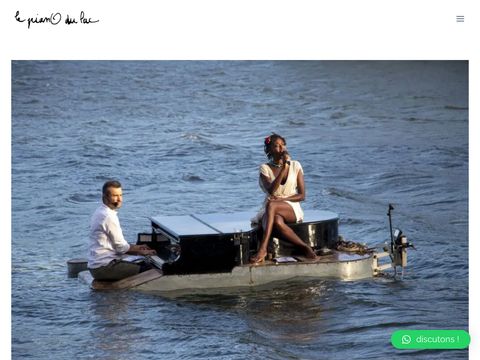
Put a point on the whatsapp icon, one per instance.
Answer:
(406, 339)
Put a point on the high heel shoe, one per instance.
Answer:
(311, 254)
(257, 259)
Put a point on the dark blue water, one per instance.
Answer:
(186, 137)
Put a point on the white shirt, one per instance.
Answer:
(106, 238)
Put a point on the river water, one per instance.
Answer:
(186, 137)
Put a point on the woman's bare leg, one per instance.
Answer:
(288, 234)
(276, 214)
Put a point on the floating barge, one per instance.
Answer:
(212, 252)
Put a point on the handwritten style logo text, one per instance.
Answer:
(55, 18)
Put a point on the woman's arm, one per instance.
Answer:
(299, 196)
(271, 187)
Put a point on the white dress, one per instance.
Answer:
(285, 190)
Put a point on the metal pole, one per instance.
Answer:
(390, 208)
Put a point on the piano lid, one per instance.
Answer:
(183, 225)
(215, 224)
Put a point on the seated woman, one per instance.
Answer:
(282, 181)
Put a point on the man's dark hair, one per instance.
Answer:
(109, 184)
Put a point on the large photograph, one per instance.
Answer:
(188, 139)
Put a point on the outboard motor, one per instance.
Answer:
(398, 244)
(397, 251)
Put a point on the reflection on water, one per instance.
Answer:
(116, 330)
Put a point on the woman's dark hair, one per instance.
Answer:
(269, 140)
(110, 184)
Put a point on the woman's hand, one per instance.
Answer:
(285, 156)
(275, 198)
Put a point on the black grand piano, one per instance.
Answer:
(195, 244)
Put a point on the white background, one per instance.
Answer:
(233, 30)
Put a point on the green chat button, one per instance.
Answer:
(430, 339)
